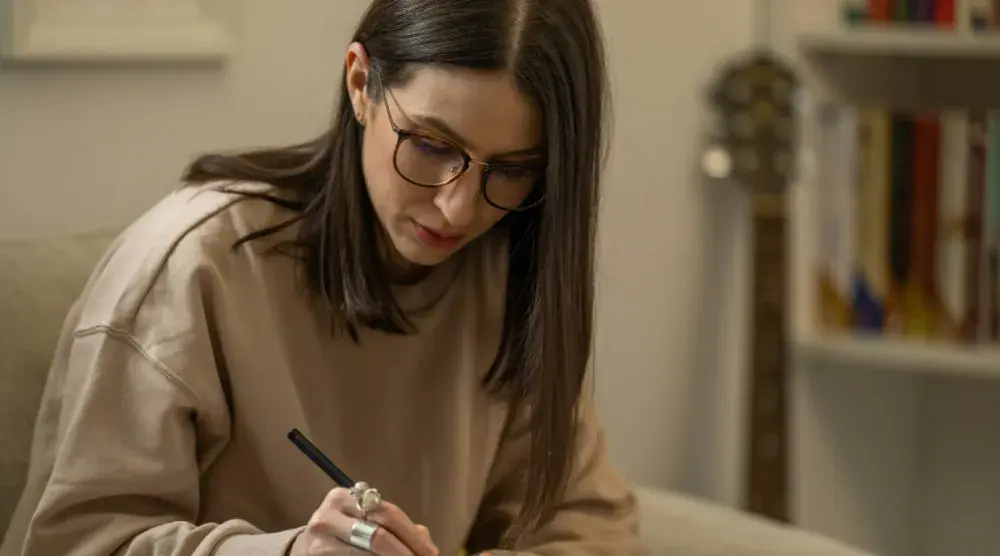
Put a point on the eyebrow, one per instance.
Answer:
(440, 126)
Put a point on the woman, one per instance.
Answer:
(413, 290)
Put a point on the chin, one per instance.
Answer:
(418, 254)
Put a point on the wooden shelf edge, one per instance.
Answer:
(898, 355)
(908, 42)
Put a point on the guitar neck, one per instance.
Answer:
(756, 127)
(768, 435)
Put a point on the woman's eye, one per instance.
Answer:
(434, 147)
(517, 172)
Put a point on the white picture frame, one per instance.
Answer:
(103, 31)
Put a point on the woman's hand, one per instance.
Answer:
(329, 529)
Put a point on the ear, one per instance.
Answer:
(357, 74)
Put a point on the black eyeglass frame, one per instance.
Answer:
(467, 162)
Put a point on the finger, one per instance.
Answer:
(337, 516)
(384, 543)
(426, 534)
(395, 519)
(332, 524)
(391, 517)
(337, 498)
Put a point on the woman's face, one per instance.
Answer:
(451, 112)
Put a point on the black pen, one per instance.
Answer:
(320, 459)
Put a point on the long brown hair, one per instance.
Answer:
(554, 48)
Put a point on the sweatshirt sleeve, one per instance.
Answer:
(123, 441)
(598, 515)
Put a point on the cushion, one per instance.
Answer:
(679, 525)
(39, 281)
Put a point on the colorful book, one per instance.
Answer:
(908, 210)
(901, 179)
(991, 234)
(944, 13)
(901, 10)
(923, 11)
(952, 222)
(920, 292)
(870, 287)
(837, 190)
(880, 10)
(972, 324)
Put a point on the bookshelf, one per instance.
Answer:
(894, 438)
(915, 43)
(899, 355)
(902, 68)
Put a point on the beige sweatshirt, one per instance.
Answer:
(184, 365)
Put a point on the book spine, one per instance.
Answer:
(920, 289)
(944, 13)
(975, 186)
(838, 143)
(870, 286)
(880, 10)
(901, 11)
(846, 257)
(854, 12)
(901, 161)
(954, 155)
(991, 236)
(923, 11)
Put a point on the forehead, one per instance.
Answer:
(484, 107)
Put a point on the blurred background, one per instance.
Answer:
(892, 442)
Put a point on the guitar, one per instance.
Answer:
(753, 145)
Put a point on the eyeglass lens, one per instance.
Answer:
(431, 163)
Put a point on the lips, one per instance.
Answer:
(434, 237)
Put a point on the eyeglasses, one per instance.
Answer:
(429, 161)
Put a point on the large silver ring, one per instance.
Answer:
(362, 534)
(366, 498)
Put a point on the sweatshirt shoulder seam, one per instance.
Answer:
(130, 340)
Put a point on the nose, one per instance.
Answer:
(459, 200)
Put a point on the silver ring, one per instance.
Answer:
(366, 498)
(362, 534)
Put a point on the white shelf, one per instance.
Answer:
(196, 41)
(82, 32)
(916, 43)
(899, 355)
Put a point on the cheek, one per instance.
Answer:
(491, 216)
(389, 192)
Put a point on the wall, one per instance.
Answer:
(92, 147)
(673, 252)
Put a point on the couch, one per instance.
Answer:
(39, 280)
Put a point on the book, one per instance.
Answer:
(901, 174)
(952, 223)
(870, 284)
(838, 140)
(920, 289)
(972, 324)
(909, 223)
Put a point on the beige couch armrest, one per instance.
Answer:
(678, 525)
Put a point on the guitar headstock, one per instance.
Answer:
(754, 136)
